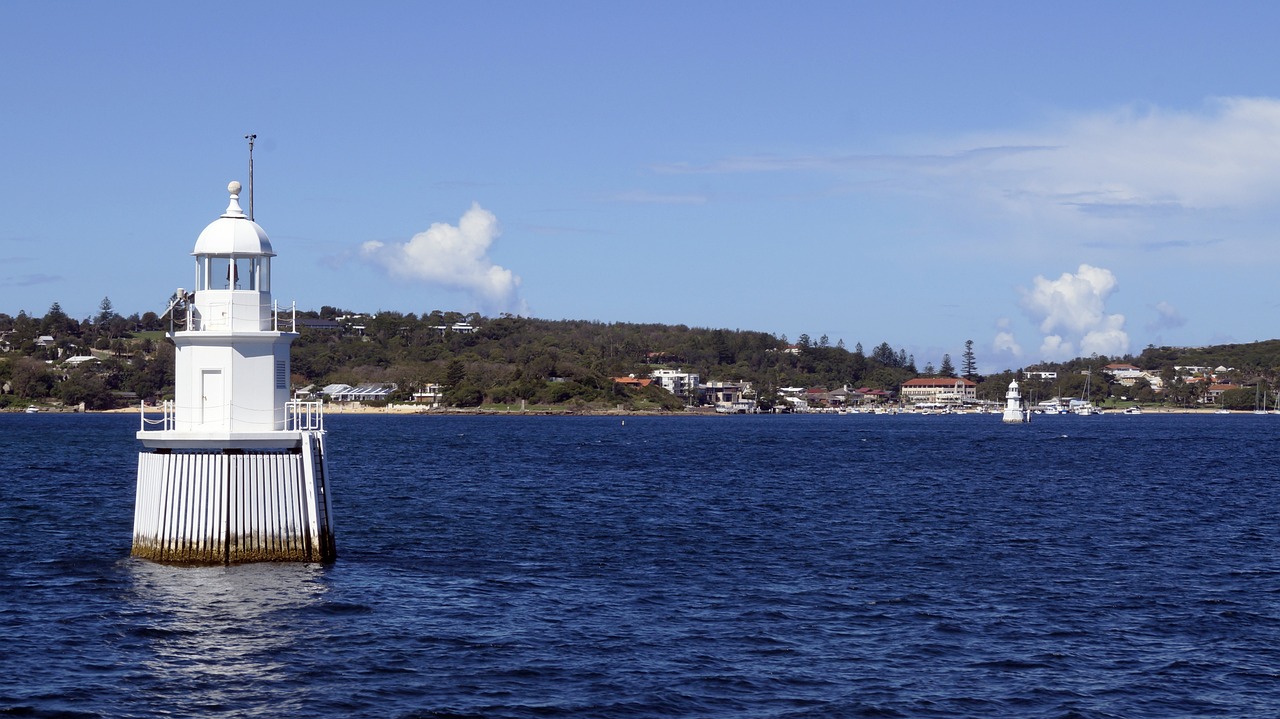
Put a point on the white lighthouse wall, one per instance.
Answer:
(233, 310)
(240, 386)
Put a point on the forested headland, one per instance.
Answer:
(110, 359)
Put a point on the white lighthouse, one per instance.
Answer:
(1013, 412)
(233, 471)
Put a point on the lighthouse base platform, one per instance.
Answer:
(227, 505)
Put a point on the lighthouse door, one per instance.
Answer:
(212, 410)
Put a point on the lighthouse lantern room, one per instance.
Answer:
(233, 470)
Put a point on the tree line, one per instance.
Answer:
(511, 359)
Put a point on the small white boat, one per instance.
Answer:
(1133, 410)
(32, 409)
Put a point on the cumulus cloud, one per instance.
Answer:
(1005, 350)
(1071, 312)
(455, 258)
(1006, 343)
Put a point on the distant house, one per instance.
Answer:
(681, 384)
(731, 397)
(939, 390)
(325, 325)
(431, 394)
(459, 327)
(817, 397)
(1128, 375)
(867, 394)
(361, 393)
(1214, 393)
(632, 381)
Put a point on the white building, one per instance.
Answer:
(431, 394)
(1128, 375)
(681, 384)
(233, 470)
(729, 397)
(943, 390)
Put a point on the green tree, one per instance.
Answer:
(947, 369)
(1241, 398)
(1142, 391)
(968, 363)
(57, 323)
(84, 386)
(455, 373)
(30, 378)
(105, 311)
(464, 395)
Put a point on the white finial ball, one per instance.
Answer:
(234, 187)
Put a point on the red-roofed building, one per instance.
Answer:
(1215, 391)
(940, 390)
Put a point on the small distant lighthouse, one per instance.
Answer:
(233, 471)
(1013, 412)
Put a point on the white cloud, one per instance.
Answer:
(455, 258)
(1167, 317)
(1133, 160)
(1053, 347)
(1071, 313)
(1108, 339)
(1142, 159)
(1005, 342)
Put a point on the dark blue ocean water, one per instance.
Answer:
(688, 567)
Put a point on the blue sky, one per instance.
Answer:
(1046, 179)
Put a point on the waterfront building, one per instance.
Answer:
(939, 390)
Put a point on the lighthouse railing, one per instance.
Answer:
(305, 416)
(166, 422)
(290, 317)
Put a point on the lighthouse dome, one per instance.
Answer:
(233, 233)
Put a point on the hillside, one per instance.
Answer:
(504, 360)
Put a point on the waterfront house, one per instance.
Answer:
(939, 390)
(681, 384)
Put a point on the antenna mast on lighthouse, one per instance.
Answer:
(251, 137)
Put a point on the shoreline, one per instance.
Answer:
(351, 409)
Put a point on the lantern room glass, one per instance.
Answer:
(233, 272)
